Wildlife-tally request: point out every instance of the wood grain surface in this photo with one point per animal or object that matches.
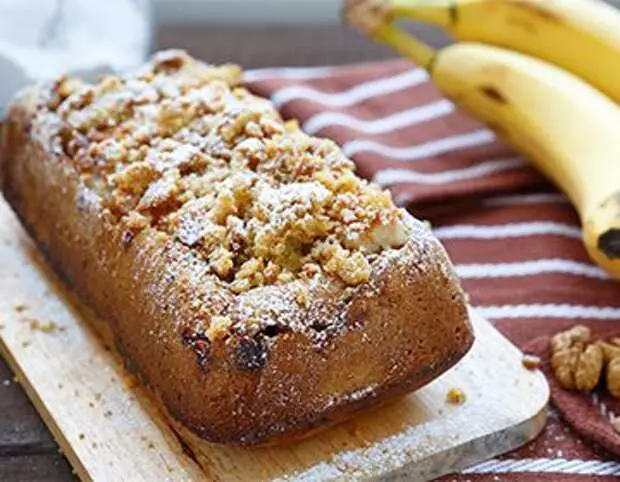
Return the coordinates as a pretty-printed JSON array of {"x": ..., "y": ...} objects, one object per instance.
[{"x": 109, "y": 430}]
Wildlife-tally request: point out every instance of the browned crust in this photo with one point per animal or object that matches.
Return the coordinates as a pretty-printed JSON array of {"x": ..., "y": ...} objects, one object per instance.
[{"x": 403, "y": 329}]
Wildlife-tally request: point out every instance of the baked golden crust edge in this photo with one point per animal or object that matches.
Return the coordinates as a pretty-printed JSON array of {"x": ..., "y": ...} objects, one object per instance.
[{"x": 402, "y": 329}]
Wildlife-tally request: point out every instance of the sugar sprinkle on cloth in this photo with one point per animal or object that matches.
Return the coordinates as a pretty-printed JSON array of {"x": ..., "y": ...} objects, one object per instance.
[{"x": 514, "y": 239}]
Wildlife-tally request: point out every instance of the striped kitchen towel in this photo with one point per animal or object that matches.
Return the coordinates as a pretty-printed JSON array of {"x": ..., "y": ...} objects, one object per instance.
[{"x": 514, "y": 239}]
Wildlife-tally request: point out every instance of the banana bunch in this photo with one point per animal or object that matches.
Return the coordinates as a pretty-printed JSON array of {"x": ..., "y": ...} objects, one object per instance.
[{"x": 544, "y": 74}]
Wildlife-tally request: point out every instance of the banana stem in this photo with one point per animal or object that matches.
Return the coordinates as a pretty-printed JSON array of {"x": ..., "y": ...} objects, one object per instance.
[
  {"x": 438, "y": 12},
  {"x": 375, "y": 19},
  {"x": 406, "y": 45}
]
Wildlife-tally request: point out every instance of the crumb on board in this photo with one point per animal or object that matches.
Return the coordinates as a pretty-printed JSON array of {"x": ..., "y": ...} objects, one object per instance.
[
  {"x": 60, "y": 385},
  {"x": 45, "y": 326},
  {"x": 151, "y": 445},
  {"x": 531, "y": 362},
  {"x": 81, "y": 436},
  {"x": 455, "y": 396},
  {"x": 25, "y": 343},
  {"x": 94, "y": 445},
  {"x": 97, "y": 396},
  {"x": 130, "y": 381},
  {"x": 20, "y": 307},
  {"x": 6, "y": 383},
  {"x": 91, "y": 404},
  {"x": 107, "y": 413}
]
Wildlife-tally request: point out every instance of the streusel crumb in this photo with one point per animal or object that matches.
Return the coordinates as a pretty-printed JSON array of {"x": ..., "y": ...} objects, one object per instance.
[
  {"x": 456, "y": 396},
  {"x": 218, "y": 328},
  {"x": 180, "y": 147}
]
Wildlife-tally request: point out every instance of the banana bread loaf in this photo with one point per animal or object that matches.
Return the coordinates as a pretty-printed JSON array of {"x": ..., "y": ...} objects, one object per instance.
[{"x": 256, "y": 285}]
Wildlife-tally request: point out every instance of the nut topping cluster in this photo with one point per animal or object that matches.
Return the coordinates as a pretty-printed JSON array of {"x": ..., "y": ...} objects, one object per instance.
[{"x": 181, "y": 148}]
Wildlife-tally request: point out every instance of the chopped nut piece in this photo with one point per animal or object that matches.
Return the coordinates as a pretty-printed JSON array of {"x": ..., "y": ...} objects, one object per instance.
[
  {"x": 589, "y": 368},
  {"x": 135, "y": 178},
  {"x": 161, "y": 192},
  {"x": 222, "y": 262},
  {"x": 250, "y": 268},
  {"x": 48, "y": 327},
  {"x": 531, "y": 362},
  {"x": 45, "y": 327},
  {"x": 302, "y": 297},
  {"x": 224, "y": 206},
  {"x": 218, "y": 328},
  {"x": 310, "y": 270},
  {"x": 135, "y": 222},
  {"x": 355, "y": 269},
  {"x": 566, "y": 350},
  {"x": 180, "y": 150},
  {"x": 240, "y": 285},
  {"x": 130, "y": 381},
  {"x": 285, "y": 277},
  {"x": 610, "y": 351},
  {"x": 577, "y": 334},
  {"x": 271, "y": 272},
  {"x": 613, "y": 377},
  {"x": 456, "y": 396}
]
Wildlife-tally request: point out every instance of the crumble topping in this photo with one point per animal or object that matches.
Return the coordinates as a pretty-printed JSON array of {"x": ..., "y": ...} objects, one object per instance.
[{"x": 181, "y": 148}]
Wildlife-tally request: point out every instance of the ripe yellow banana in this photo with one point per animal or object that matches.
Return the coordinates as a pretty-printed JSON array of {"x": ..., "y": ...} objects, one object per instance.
[
  {"x": 581, "y": 36},
  {"x": 567, "y": 128}
]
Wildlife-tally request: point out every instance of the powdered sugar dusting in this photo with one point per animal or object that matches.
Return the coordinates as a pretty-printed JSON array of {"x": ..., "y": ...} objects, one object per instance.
[{"x": 178, "y": 147}]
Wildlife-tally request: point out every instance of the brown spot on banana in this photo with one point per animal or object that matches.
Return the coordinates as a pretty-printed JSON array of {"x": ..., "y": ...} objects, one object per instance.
[
  {"x": 538, "y": 9},
  {"x": 609, "y": 238},
  {"x": 524, "y": 24},
  {"x": 453, "y": 12},
  {"x": 493, "y": 94},
  {"x": 609, "y": 243}
]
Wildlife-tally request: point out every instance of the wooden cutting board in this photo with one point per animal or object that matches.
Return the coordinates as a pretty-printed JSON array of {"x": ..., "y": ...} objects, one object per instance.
[{"x": 109, "y": 429}]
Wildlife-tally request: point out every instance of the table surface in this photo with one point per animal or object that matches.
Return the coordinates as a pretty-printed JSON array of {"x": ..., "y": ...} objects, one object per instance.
[{"x": 27, "y": 450}]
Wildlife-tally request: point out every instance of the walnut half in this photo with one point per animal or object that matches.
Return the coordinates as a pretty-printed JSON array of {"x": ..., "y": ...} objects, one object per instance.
[{"x": 575, "y": 363}]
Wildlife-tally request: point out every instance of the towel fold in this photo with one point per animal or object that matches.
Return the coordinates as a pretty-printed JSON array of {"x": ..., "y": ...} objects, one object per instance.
[{"x": 514, "y": 239}]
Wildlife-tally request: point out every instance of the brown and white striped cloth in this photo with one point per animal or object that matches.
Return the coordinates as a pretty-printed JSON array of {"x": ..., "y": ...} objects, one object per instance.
[{"x": 514, "y": 239}]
